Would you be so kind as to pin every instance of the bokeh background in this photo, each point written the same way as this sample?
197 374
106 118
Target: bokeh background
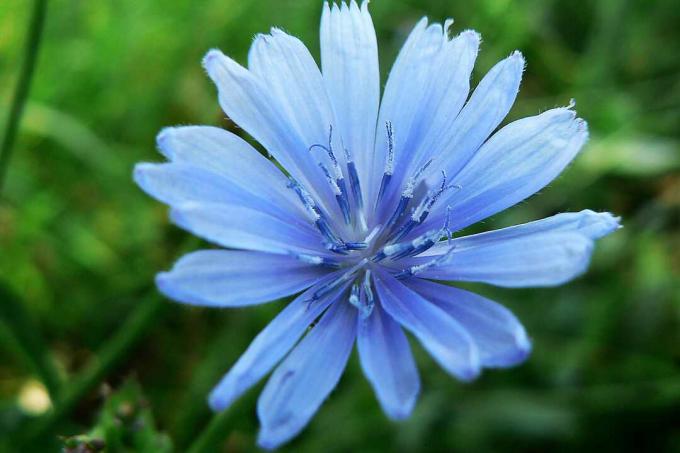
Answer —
89 349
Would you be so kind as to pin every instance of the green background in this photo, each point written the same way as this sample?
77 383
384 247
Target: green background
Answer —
80 243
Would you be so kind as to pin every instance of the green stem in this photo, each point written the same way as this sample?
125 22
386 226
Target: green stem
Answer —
108 357
33 39
214 433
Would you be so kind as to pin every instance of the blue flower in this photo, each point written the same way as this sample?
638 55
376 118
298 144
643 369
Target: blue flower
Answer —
363 219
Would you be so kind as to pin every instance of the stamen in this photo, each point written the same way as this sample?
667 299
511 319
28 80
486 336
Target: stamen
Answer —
333 242
331 154
424 207
339 248
423 210
317 260
356 245
368 294
337 185
367 285
413 180
404 230
401 207
306 199
389 163
368 239
406 196
353 177
361 296
421 244
355 185
337 181
355 296
414 270
410 248
428 240
389 251
445 229
330 286
347 247
331 182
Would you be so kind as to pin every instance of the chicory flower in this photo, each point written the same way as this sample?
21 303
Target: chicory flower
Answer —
364 217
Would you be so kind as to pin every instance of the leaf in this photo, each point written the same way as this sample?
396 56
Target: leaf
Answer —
125 424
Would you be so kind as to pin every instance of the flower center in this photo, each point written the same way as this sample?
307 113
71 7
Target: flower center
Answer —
385 245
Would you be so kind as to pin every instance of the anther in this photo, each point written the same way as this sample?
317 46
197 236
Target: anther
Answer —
368 294
306 199
421 244
356 245
389 163
417 269
423 210
406 196
355 296
446 229
330 286
424 207
331 181
389 251
410 248
340 192
361 296
367 285
317 260
355 185
415 179
368 239
333 242
401 207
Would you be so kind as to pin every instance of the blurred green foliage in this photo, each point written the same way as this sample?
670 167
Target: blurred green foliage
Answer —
125 424
80 244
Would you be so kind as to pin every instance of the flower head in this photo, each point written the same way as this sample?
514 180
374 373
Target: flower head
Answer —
364 218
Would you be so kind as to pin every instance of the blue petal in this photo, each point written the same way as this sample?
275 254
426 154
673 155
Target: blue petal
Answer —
426 88
403 94
221 152
270 346
593 225
590 224
349 60
542 259
489 104
499 336
438 121
248 101
230 278
516 162
302 382
245 228
388 363
288 70
541 253
295 85
443 337
178 183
